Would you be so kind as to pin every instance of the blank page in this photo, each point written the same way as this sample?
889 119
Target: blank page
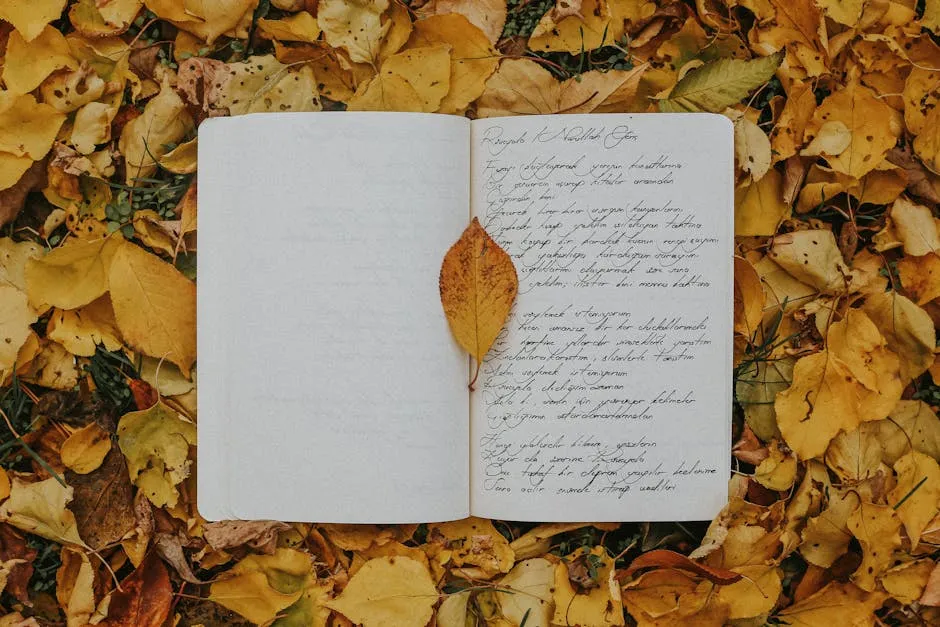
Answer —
330 388
606 398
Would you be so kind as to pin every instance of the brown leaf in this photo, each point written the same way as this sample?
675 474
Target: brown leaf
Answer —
103 501
12 198
662 558
478 286
144 598
170 548
258 534
13 547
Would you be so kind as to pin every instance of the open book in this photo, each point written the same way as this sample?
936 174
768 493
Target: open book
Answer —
330 388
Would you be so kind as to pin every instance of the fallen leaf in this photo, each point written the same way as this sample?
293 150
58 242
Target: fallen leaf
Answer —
478 285
836 604
475 542
40 508
915 227
258 534
30 18
85 449
907 582
759 207
156 444
487 15
877 529
525 593
874 128
907 329
811 257
265 84
144 598
751 146
300 26
154 305
27 128
855 380
81 330
917 492
354 25
719 84
16 316
29 61
416 79
111 18
473 58
145 139
73 274
103 501
600 606
388 591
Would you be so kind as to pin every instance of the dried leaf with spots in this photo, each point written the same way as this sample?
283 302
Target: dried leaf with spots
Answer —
759 206
416 79
836 604
354 25
478 286
877 529
917 493
598 606
85 449
144 139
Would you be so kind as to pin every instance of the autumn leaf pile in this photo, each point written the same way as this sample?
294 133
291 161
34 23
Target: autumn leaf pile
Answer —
833 513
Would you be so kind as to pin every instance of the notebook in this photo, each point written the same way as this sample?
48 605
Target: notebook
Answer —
330 387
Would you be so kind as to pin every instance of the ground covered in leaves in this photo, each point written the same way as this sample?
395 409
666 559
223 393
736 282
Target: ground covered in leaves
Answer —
833 515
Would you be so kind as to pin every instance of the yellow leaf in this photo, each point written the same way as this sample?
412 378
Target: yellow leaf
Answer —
796 26
525 593
920 276
425 73
73 274
845 12
592 27
826 537
207 19
521 86
751 145
264 84
15 317
182 159
927 143
28 63
877 529
487 15
756 389
917 493
80 330
399 30
748 298
85 449
759 207
30 18
92 18
856 455
453 610
27 128
354 25
778 470
812 257
856 379
832 139
912 425
144 140
40 508
841 604
719 84
600 606
92 126
907 328
787 135
156 444
476 542
874 127
473 58
755 594
261 587
915 227
165 377
388 592
154 306
13 258
907 582
300 26
478 285
920 97
668 597
54 367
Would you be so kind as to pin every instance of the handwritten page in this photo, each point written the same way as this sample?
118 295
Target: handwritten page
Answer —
606 397
330 388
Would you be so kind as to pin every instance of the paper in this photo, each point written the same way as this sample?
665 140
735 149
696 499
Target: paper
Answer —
330 388
607 396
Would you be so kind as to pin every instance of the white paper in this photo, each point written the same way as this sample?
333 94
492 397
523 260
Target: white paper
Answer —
607 396
330 388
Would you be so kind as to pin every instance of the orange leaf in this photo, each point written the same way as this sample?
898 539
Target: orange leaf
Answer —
144 598
478 286
662 558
